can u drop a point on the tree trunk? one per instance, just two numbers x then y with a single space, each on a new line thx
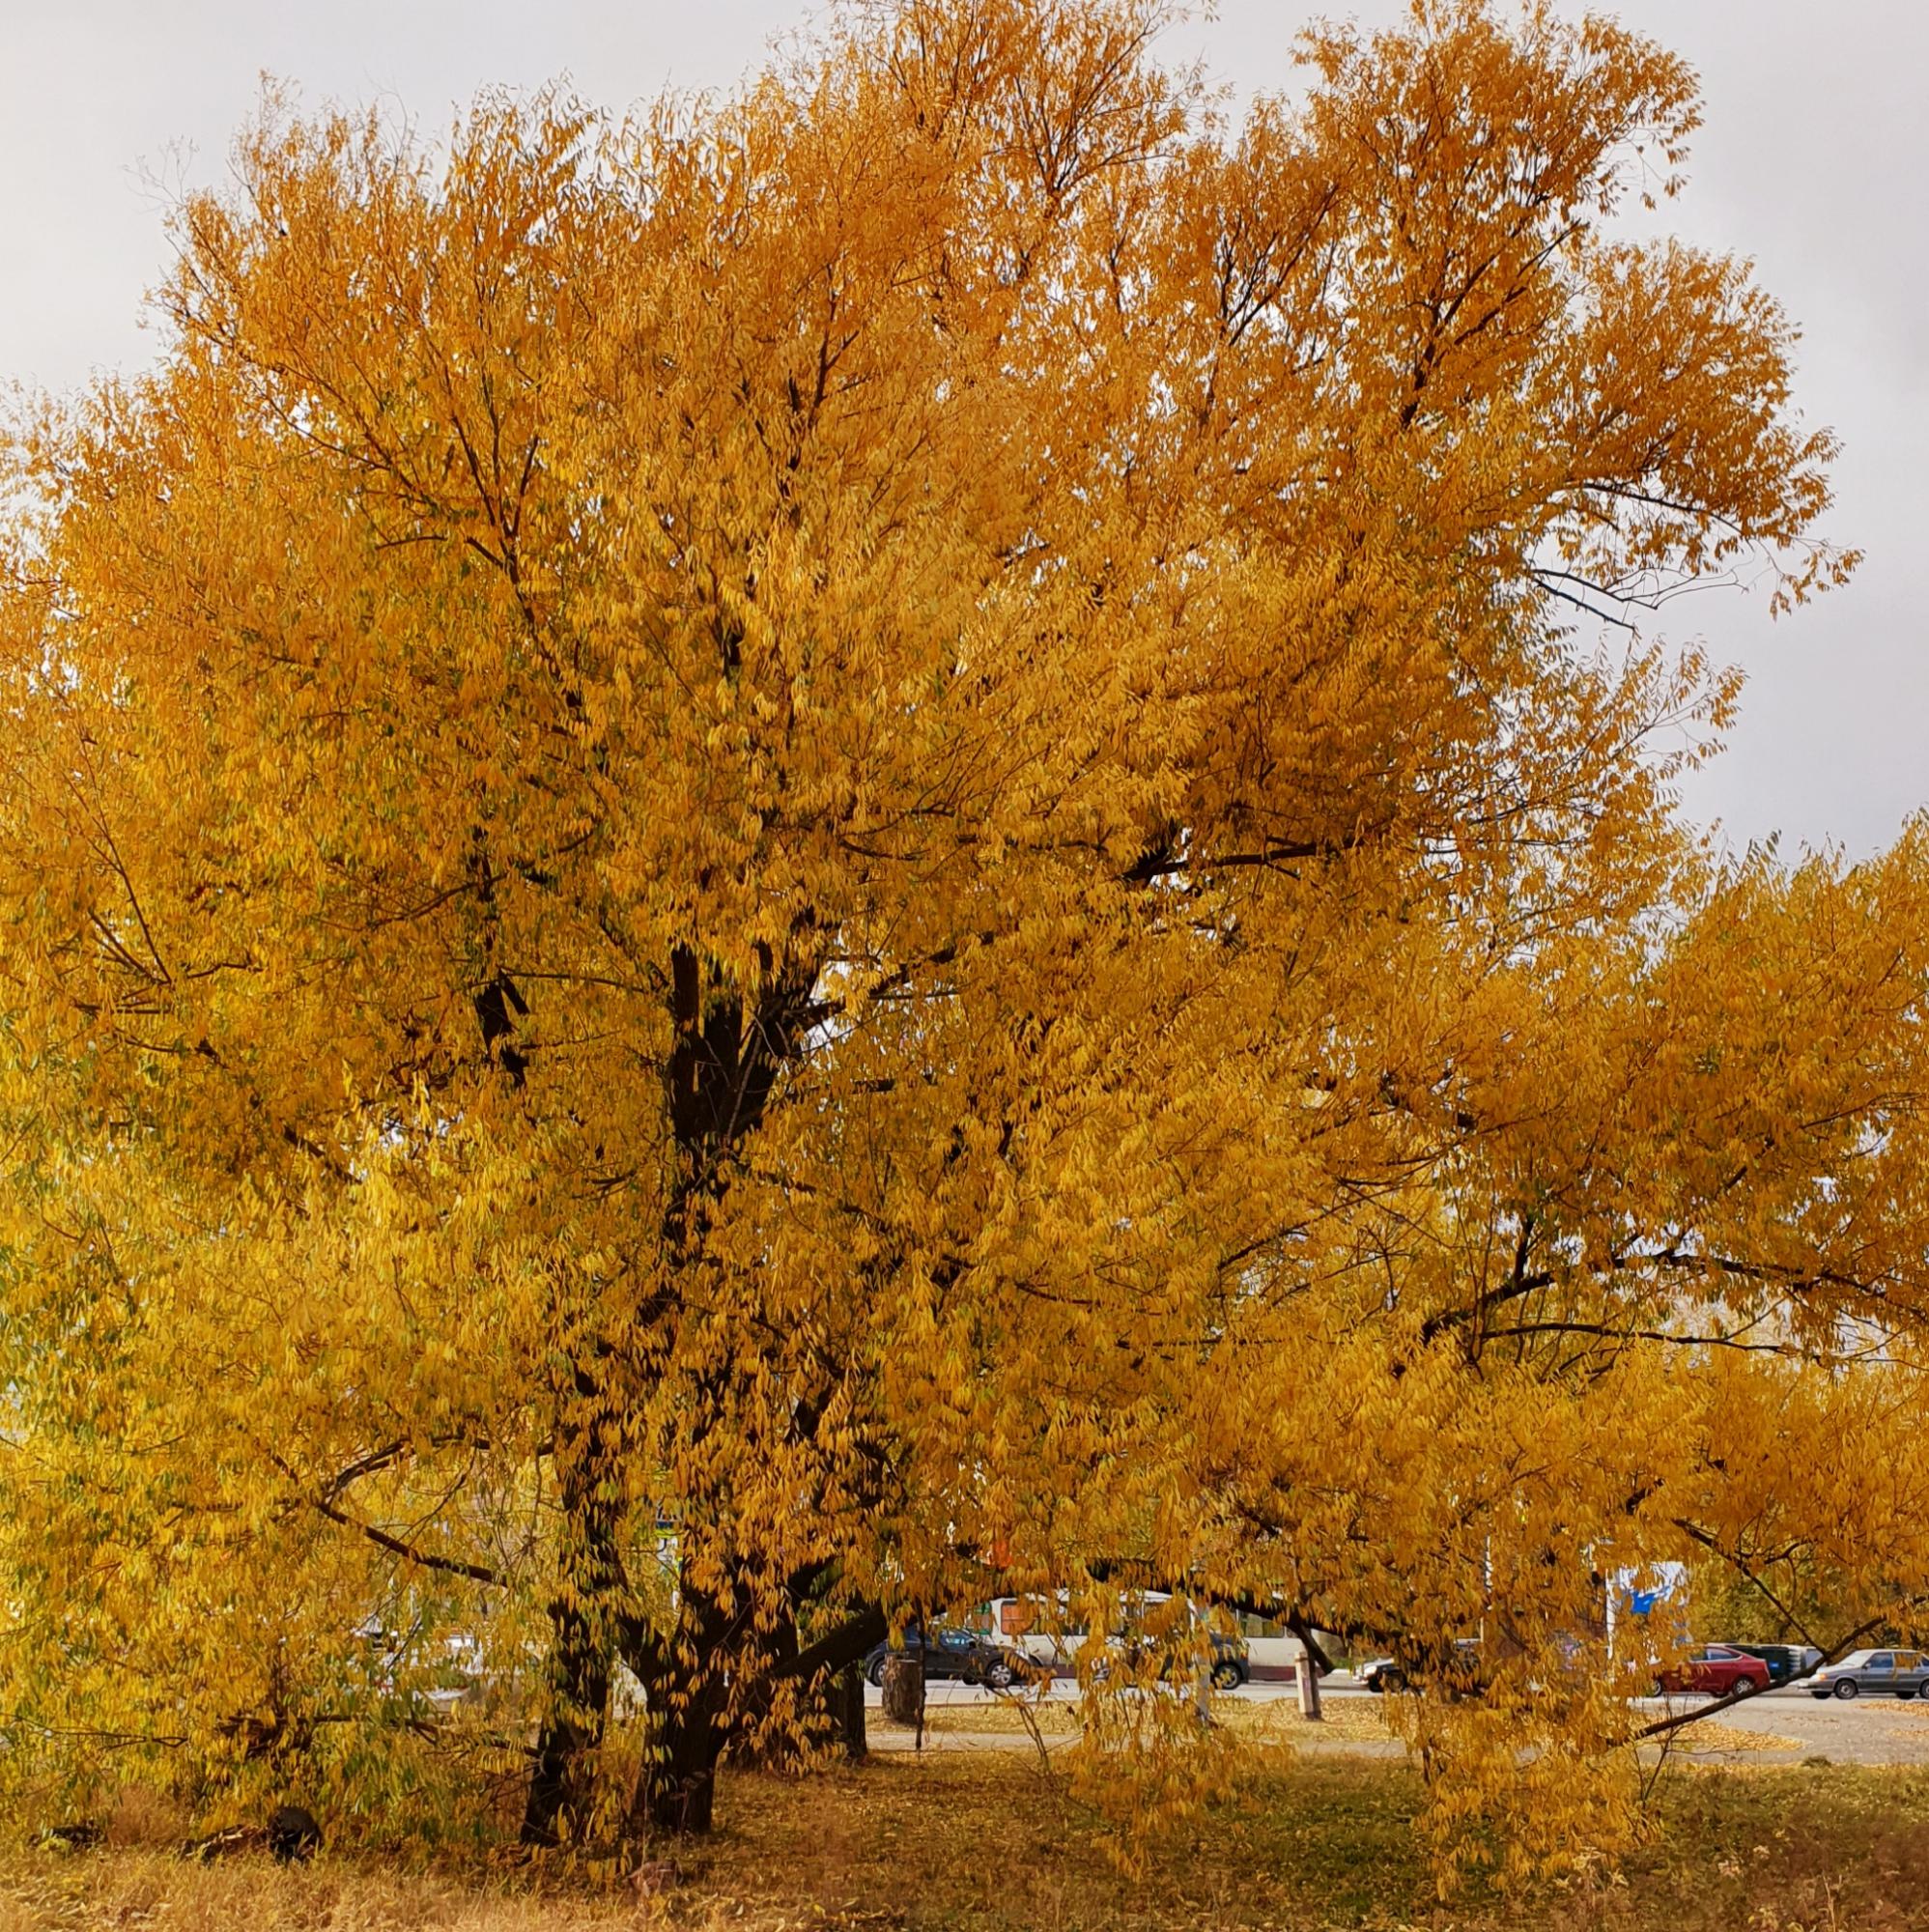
758 1672
725 1058
1311 1661
847 1709
1308 1675
676 1792
563 1784
561 1787
677 1786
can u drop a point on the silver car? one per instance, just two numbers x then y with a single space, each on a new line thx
1899 1673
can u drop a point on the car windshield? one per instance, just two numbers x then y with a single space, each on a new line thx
1854 1659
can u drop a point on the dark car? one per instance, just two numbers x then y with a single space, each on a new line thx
1458 1672
951 1652
1786 1661
1230 1664
1230 1667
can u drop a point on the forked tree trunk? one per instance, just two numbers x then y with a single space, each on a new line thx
689 1698
725 1058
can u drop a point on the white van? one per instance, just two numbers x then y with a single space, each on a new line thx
1046 1630
1040 1629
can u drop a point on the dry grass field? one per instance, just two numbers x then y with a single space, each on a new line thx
987 1842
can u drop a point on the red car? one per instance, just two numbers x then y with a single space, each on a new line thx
1716 1668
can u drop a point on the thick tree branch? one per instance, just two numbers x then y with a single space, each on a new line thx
845 1644
422 1558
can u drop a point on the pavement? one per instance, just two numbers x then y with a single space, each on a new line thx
1870 1730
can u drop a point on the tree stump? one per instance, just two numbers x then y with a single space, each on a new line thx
1307 1676
904 1689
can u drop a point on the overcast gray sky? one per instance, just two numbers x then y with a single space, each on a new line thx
1814 162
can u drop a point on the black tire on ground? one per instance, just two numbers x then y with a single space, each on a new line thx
874 1671
999 1675
1227 1675
293 1835
1848 1687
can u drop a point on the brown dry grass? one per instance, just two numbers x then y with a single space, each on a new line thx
985 1842
1710 1736
1017 1716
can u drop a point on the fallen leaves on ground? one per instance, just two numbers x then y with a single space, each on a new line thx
993 1842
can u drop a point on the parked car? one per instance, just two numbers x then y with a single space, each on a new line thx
951 1652
1786 1661
1900 1673
1716 1668
1458 1673
1229 1666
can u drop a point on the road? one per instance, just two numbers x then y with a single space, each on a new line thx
1871 1730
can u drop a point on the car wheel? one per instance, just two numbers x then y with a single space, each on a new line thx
1227 1675
875 1673
998 1675
1847 1689
1392 1679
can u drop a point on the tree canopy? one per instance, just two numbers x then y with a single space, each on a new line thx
914 836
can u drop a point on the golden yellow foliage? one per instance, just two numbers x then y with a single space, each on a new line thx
908 837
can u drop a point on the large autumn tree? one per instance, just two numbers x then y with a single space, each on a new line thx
915 834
